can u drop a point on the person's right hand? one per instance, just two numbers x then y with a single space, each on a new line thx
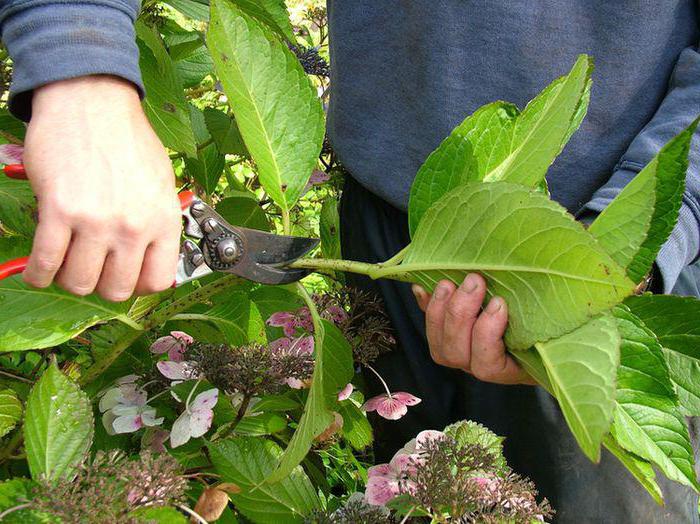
109 218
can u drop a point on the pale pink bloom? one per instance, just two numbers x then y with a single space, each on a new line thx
127 394
175 344
391 406
11 154
177 371
386 481
346 392
125 408
132 418
196 420
416 445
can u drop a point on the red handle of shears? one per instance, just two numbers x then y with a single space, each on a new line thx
18 265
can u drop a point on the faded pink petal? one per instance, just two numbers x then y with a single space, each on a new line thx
205 400
148 417
181 431
296 383
381 490
127 424
182 337
200 422
406 398
176 370
108 422
371 404
285 320
175 344
280 345
380 470
303 346
346 392
304 320
11 154
427 436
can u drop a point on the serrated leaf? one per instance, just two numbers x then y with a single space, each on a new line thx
272 299
674 321
260 425
191 8
647 421
582 367
243 211
224 130
165 103
17 206
329 229
246 462
356 430
276 107
273 13
332 371
207 167
34 318
634 226
10 411
193 68
58 426
640 469
553 275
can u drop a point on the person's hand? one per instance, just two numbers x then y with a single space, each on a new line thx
109 218
463 336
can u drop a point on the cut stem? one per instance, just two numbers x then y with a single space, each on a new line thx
380 379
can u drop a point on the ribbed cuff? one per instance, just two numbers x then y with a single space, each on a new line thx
682 247
57 41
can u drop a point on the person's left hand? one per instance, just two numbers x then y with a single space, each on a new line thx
463 336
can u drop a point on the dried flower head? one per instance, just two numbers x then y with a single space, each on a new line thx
312 62
252 370
354 511
109 487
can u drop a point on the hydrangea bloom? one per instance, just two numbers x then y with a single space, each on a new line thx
178 371
290 322
175 344
125 408
386 481
196 420
391 406
299 346
11 154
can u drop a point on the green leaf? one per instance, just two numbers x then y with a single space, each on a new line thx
11 126
260 425
207 168
276 107
243 211
165 103
273 13
275 403
640 469
194 67
553 275
247 462
674 321
647 421
582 366
329 228
33 318
639 220
17 206
224 130
14 247
10 411
271 299
467 432
58 426
236 316
544 126
159 515
18 491
356 428
191 8
332 371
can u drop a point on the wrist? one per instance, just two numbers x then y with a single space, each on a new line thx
103 91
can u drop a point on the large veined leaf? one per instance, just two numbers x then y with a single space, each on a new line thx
17 206
332 371
674 321
497 142
276 107
273 13
165 103
207 167
243 211
356 430
553 275
581 367
638 221
647 421
247 462
224 131
33 318
10 411
58 425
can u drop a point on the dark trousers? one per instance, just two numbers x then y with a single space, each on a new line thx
538 443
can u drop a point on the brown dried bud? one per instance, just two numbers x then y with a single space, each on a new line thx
211 504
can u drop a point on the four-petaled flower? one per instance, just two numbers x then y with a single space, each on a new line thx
125 408
175 344
391 406
196 420
386 481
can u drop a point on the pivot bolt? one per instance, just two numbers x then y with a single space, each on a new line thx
228 250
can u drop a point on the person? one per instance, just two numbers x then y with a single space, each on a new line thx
403 75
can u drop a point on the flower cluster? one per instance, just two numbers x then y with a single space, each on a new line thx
125 407
459 474
111 486
312 62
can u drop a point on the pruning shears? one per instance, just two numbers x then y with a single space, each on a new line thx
214 245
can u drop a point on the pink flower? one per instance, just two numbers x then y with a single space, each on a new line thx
391 406
386 481
132 418
125 408
346 392
175 344
177 371
416 445
196 420
11 154
285 320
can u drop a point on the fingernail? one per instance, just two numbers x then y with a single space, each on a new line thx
470 283
441 292
494 306
417 291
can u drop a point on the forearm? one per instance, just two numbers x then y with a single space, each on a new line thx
680 107
58 39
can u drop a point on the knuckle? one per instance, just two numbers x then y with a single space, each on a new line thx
46 264
457 309
129 226
118 295
79 289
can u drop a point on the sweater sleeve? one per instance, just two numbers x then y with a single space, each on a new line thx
677 111
52 40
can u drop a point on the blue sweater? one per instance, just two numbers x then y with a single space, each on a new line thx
405 73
